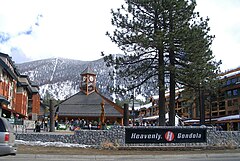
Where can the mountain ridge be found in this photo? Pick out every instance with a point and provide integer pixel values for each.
(59, 78)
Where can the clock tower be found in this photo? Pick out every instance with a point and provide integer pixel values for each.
(88, 81)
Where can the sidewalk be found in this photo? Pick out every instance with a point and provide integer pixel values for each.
(130, 157)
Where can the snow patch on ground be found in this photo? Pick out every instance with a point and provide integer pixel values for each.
(54, 144)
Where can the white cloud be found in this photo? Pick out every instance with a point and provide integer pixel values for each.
(224, 23)
(17, 15)
(72, 29)
(76, 29)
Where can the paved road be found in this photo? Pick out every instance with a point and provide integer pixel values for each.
(185, 157)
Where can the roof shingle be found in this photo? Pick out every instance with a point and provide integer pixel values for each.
(86, 105)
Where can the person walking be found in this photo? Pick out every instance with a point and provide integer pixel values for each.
(90, 125)
(38, 126)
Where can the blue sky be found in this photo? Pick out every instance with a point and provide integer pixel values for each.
(39, 29)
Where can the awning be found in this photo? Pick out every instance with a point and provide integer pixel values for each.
(4, 100)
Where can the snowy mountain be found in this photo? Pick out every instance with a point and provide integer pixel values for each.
(60, 78)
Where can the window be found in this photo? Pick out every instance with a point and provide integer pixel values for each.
(235, 112)
(235, 102)
(228, 82)
(214, 108)
(224, 83)
(229, 93)
(238, 80)
(222, 104)
(229, 102)
(214, 114)
(235, 92)
(221, 113)
(2, 127)
(234, 80)
(214, 104)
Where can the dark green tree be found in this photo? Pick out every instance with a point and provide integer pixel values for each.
(197, 68)
(178, 16)
(187, 36)
(152, 35)
(140, 34)
(47, 97)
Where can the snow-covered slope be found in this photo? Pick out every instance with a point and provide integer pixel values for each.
(60, 78)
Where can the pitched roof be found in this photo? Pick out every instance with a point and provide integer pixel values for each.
(88, 70)
(81, 104)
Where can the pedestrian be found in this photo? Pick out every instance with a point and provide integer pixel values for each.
(46, 124)
(56, 124)
(90, 125)
(38, 126)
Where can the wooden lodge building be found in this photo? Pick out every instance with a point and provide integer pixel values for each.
(89, 104)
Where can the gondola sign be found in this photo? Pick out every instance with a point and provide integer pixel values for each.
(165, 135)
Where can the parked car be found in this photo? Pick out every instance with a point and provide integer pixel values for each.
(7, 138)
(62, 127)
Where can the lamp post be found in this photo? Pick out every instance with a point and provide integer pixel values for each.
(201, 105)
(133, 113)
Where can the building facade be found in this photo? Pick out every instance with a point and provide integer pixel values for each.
(223, 109)
(19, 97)
(89, 104)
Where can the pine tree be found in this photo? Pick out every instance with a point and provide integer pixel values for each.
(178, 16)
(152, 35)
(140, 34)
(197, 69)
(188, 37)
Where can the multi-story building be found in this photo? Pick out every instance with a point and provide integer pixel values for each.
(224, 109)
(28, 98)
(230, 94)
(19, 97)
(227, 105)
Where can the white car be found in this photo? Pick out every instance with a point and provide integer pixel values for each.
(7, 138)
(62, 127)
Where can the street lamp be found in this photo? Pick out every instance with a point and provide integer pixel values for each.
(133, 113)
(201, 104)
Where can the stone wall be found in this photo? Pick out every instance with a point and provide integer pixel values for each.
(223, 138)
(85, 137)
(116, 136)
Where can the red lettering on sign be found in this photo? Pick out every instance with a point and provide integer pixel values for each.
(169, 136)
